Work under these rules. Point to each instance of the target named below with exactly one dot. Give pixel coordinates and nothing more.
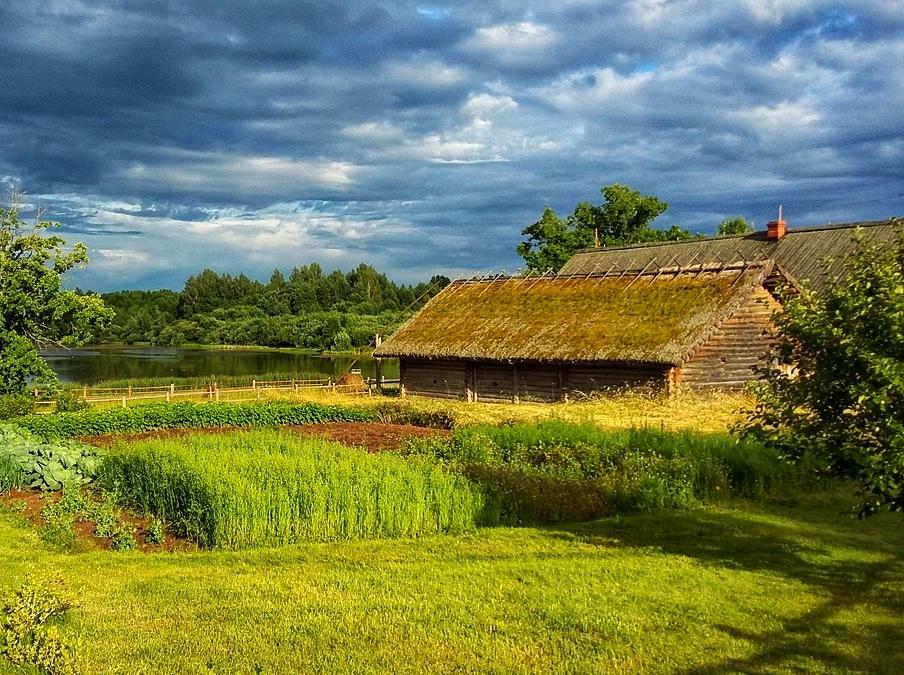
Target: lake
(88, 365)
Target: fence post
(172, 389)
(254, 384)
(130, 391)
(124, 404)
(257, 393)
(167, 397)
(216, 391)
(84, 393)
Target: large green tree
(35, 310)
(624, 217)
(835, 389)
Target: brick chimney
(775, 229)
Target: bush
(26, 640)
(15, 405)
(69, 401)
(557, 472)
(157, 416)
(263, 488)
(43, 465)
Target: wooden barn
(550, 338)
(814, 256)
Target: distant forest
(338, 311)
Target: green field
(698, 554)
(739, 587)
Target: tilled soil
(29, 503)
(370, 436)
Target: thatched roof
(641, 317)
(803, 254)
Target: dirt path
(372, 437)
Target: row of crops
(266, 487)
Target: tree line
(308, 308)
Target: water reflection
(90, 364)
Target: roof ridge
(759, 235)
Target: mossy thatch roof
(633, 318)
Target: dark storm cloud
(423, 136)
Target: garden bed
(28, 504)
(370, 436)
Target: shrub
(44, 465)
(69, 401)
(156, 416)
(25, 621)
(15, 405)
(555, 471)
(261, 488)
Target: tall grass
(266, 488)
(11, 474)
(557, 471)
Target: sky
(422, 137)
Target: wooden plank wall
(437, 379)
(538, 382)
(494, 381)
(500, 381)
(586, 380)
(726, 359)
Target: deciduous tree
(835, 389)
(35, 310)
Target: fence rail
(212, 392)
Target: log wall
(727, 358)
(437, 379)
(522, 381)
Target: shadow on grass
(844, 561)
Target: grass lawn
(731, 588)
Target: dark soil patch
(370, 436)
(29, 503)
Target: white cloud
(521, 43)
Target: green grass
(736, 587)
(266, 487)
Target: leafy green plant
(45, 465)
(69, 401)
(155, 532)
(123, 538)
(15, 405)
(156, 416)
(25, 621)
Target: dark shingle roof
(627, 318)
(801, 254)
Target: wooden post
(84, 393)
(378, 363)
(254, 384)
(515, 397)
(167, 397)
(172, 389)
(124, 404)
(216, 392)
(130, 391)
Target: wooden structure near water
(553, 338)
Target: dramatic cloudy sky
(421, 137)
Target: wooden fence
(211, 392)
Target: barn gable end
(725, 360)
